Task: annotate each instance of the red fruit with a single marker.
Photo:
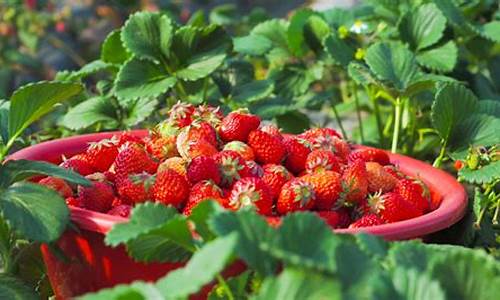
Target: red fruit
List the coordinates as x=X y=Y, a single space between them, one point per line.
x=297 y=151
x=393 y=170
x=110 y=176
x=274 y=222
x=162 y=148
x=251 y=191
x=230 y=165
x=170 y=188
x=342 y=149
x=327 y=187
x=210 y=114
x=335 y=218
x=135 y=188
x=272 y=130
x=371 y=155
x=102 y=154
x=97 y=197
x=121 y=211
x=415 y=193
x=458 y=165
x=202 y=191
x=243 y=149
x=237 y=125
x=78 y=164
x=363 y=208
x=268 y=149
x=379 y=179
x=128 y=137
x=195 y=148
x=391 y=207
x=133 y=158
x=72 y=201
x=202 y=168
x=58 y=185
x=322 y=160
x=251 y=169
x=196 y=133
x=367 y=220
x=295 y=195
x=275 y=176
x=355 y=182
x=180 y=114
x=177 y=164
x=314 y=133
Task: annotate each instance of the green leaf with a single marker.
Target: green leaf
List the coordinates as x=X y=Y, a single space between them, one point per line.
x=315 y=31
x=482 y=175
x=361 y=74
x=142 y=79
x=453 y=14
x=294 y=79
x=136 y=290
x=252 y=44
x=453 y=104
x=237 y=285
x=338 y=49
x=200 y=216
x=148 y=35
x=413 y=285
x=337 y=17
x=271 y=107
x=32 y=101
x=253 y=231
x=293 y=122
x=4 y=121
x=88 y=113
x=22 y=169
x=423 y=27
x=252 y=91
x=197 y=19
x=38 y=213
x=477 y=129
x=296 y=284
x=200 y=270
x=443 y=58
x=372 y=245
x=144 y=218
x=490 y=31
x=113 y=51
x=295 y=32
x=393 y=63
x=14 y=289
x=224 y=14
x=91 y=68
x=139 y=110
x=274 y=30
x=409 y=255
x=489 y=107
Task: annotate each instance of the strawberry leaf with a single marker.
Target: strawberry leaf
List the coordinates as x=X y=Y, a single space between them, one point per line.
x=485 y=174
x=138 y=110
x=252 y=91
x=237 y=285
x=200 y=216
x=341 y=53
x=13 y=288
x=423 y=27
x=252 y=44
x=476 y=129
x=113 y=51
x=490 y=31
x=442 y=59
x=91 y=68
x=414 y=285
x=134 y=290
x=90 y=112
x=4 y=121
x=295 y=32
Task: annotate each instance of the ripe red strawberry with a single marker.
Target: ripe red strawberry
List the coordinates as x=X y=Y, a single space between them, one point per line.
x=322 y=160
x=251 y=191
x=195 y=148
x=394 y=171
x=230 y=165
x=237 y=125
x=295 y=195
x=78 y=164
x=197 y=131
x=335 y=218
x=297 y=152
x=313 y=133
x=414 y=192
x=133 y=158
x=272 y=130
x=177 y=164
x=342 y=149
x=370 y=155
x=202 y=168
x=162 y=148
x=243 y=149
x=251 y=169
x=275 y=176
x=274 y=222
x=110 y=176
x=268 y=148
x=367 y=220
x=165 y=129
x=355 y=182
x=97 y=197
x=121 y=211
x=180 y=114
x=210 y=114
x=201 y=191
x=379 y=179
x=391 y=207
x=170 y=188
x=135 y=188
x=58 y=185
x=102 y=154
x=327 y=187
x=72 y=201
x=127 y=137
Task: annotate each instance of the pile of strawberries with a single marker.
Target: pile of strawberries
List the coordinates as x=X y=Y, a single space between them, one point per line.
x=199 y=154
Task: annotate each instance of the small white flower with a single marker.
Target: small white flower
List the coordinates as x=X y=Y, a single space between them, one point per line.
x=358 y=27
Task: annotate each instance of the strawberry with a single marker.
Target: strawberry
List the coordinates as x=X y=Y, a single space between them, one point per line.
x=203 y=167
x=370 y=155
x=367 y=220
x=327 y=187
x=135 y=188
x=170 y=188
x=192 y=149
x=322 y=160
x=335 y=218
x=230 y=164
x=102 y=154
x=275 y=176
x=243 y=149
x=268 y=148
x=274 y=222
x=295 y=195
x=121 y=211
x=201 y=191
x=355 y=182
x=391 y=169
x=58 y=185
x=110 y=176
x=391 y=207
x=342 y=149
x=197 y=131
x=251 y=191
x=165 y=129
x=127 y=137
x=413 y=191
x=78 y=164
x=180 y=114
x=133 y=158
x=237 y=125
x=177 y=164
x=97 y=197
x=251 y=169
x=162 y=148
x=210 y=114
x=297 y=151
x=72 y=201
x=272 y=130
x=379 y=179
x=313 y=133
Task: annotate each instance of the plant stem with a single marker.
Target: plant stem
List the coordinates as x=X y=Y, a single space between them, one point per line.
x=442 y=152
x=397 y=125
x=378 y=119
x=339 y=122
x=179 y=86
x=358 y=112
x=497 y=210
x=224 y=284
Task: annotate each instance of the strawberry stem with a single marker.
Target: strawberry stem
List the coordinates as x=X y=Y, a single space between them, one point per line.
x=358 y=112
x=397 y=124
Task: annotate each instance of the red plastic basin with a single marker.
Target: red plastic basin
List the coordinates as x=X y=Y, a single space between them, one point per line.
x=88 y=265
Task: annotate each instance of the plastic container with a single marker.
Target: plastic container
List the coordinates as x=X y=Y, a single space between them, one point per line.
x=86 y=264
